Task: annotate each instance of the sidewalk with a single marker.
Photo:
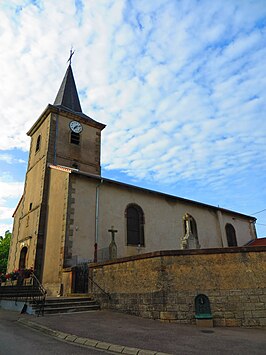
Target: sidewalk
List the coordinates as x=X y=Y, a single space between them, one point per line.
x=126 y=334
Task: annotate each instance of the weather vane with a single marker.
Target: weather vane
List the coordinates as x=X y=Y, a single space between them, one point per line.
x=71 y=55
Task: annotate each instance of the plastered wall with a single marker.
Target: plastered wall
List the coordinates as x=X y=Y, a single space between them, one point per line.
x=163 y=216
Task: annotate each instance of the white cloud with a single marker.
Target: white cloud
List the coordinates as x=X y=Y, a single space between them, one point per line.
x=10 y=159
x=6 y=213
x=10 y=189
x=5 y=227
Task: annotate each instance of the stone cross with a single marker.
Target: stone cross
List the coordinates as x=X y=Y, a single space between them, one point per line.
x=112 y=246
x=113 y=231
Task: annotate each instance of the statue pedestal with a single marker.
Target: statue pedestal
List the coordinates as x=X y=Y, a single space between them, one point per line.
x=112 y=245
x=112 y=250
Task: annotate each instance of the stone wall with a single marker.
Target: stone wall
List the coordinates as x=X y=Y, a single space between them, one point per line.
x=163 y=285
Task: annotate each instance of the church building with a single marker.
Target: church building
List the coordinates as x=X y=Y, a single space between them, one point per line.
x=69 y=214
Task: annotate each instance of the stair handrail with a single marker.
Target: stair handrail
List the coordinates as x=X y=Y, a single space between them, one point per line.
x=100 y=288
x=40 y=302
x=40 y=286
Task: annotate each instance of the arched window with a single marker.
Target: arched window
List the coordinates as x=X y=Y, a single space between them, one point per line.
x=231 y=235
x=135 y=225
x=22 y=259
x=38 y=143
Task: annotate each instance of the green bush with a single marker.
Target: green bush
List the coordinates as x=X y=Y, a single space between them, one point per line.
x=4 y=250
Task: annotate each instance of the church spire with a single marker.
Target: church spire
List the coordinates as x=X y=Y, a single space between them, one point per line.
x=67 y=95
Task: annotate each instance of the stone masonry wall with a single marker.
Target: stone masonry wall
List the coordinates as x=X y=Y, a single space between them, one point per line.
x=163 y=285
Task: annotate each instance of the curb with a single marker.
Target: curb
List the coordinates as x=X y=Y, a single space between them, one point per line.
x=71 y=338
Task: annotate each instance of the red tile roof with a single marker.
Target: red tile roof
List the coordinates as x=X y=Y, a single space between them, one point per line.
x=257 y=242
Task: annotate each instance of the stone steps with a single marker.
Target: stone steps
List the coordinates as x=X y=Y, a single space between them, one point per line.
x=68 y=305
x=9 y=292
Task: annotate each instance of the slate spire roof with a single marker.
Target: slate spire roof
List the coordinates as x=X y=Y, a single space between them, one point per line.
x=67 y=95
x=67 y=100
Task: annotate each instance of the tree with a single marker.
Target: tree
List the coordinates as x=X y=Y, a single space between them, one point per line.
x=4 y=250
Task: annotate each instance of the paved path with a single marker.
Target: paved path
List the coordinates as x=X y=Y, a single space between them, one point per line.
x=17 y=339
x=126 y=334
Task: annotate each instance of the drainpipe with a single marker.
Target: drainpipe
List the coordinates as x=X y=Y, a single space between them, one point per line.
x=97 y=220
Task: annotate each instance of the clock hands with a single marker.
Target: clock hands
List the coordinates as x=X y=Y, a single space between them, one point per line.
x=75 y=126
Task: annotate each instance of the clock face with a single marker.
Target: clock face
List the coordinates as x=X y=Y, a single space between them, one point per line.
x=75 y=126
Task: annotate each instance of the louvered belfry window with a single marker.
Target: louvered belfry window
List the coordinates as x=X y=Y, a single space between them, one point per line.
x=135 y=225
x=75 y=138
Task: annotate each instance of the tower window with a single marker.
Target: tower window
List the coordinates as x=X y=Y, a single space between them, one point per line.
x=135 y=225
x=38 y=144
x=75 y=138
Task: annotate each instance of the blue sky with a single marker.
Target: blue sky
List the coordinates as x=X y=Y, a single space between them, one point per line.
x=181 y=86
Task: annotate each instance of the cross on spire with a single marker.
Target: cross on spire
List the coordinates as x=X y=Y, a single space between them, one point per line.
x=67 y=95
x=70 y=56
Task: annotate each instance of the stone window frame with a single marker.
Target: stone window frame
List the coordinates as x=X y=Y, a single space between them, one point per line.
x=140 y=226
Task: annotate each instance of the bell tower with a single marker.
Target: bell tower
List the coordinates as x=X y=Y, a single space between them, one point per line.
x=74 y=138
x=63 y=135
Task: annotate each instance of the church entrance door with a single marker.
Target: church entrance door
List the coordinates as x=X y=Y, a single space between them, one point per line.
x=81 y=275
x=22 y=259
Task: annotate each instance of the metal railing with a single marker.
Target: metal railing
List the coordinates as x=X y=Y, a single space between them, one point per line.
x=100 y=288
x=39 y=302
